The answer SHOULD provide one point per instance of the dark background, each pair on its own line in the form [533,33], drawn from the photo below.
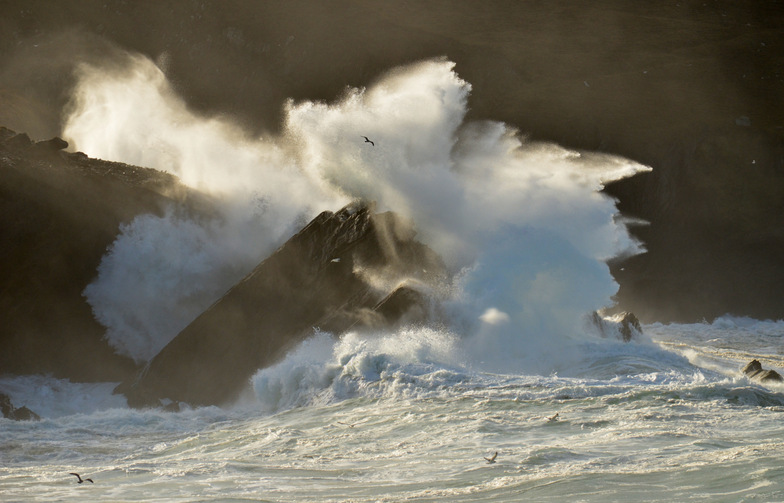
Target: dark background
[694,89]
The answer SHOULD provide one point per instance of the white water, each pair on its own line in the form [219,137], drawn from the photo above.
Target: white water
[359,420]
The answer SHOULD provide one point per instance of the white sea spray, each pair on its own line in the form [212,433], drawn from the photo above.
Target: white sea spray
[521,223]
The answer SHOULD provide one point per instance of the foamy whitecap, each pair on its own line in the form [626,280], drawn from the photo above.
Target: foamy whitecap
[325,368]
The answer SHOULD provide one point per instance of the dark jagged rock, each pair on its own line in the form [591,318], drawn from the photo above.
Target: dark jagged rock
[405,304]
[55,144]
[630,326]
[17,414]
[623,325]
[769,375]
[754,370]
[320,279]
[25,414]
[58,213]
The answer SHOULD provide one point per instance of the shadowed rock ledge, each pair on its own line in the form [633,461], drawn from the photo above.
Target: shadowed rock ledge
[59,211]
[326,277]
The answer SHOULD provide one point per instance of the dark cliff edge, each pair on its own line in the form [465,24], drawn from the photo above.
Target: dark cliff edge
[326,277]
[59,211]
[714,202]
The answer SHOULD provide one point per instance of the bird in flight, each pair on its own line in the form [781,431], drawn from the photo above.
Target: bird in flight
[368,140]
[80,478]
[350,425]
[553,418]
[491,459]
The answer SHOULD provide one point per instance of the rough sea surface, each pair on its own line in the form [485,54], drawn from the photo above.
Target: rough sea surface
[666,419]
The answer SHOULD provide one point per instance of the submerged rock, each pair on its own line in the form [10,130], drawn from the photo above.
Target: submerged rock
[341,271]
[754,370]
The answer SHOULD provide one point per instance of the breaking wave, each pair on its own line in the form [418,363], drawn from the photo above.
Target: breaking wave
[522,225]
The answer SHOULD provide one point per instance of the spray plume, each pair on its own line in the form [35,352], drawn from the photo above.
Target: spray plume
[522,224]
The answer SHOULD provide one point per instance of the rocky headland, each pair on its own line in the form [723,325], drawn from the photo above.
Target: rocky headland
[59,211]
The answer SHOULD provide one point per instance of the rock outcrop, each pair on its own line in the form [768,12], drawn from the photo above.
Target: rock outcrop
[624,325]
[17,414]
[754,370]
[343,270]
[59,211]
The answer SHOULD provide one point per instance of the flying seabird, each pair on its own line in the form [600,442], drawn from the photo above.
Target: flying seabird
[350,425]
[491,459]
[367,140]
[553,418]
[80,478]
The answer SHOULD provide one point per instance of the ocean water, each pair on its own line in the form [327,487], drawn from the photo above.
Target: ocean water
[409,415]
[666,418]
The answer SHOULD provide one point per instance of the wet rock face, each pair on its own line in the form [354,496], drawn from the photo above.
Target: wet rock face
[630,326]
[325,277]
[754,370]
[624,325]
